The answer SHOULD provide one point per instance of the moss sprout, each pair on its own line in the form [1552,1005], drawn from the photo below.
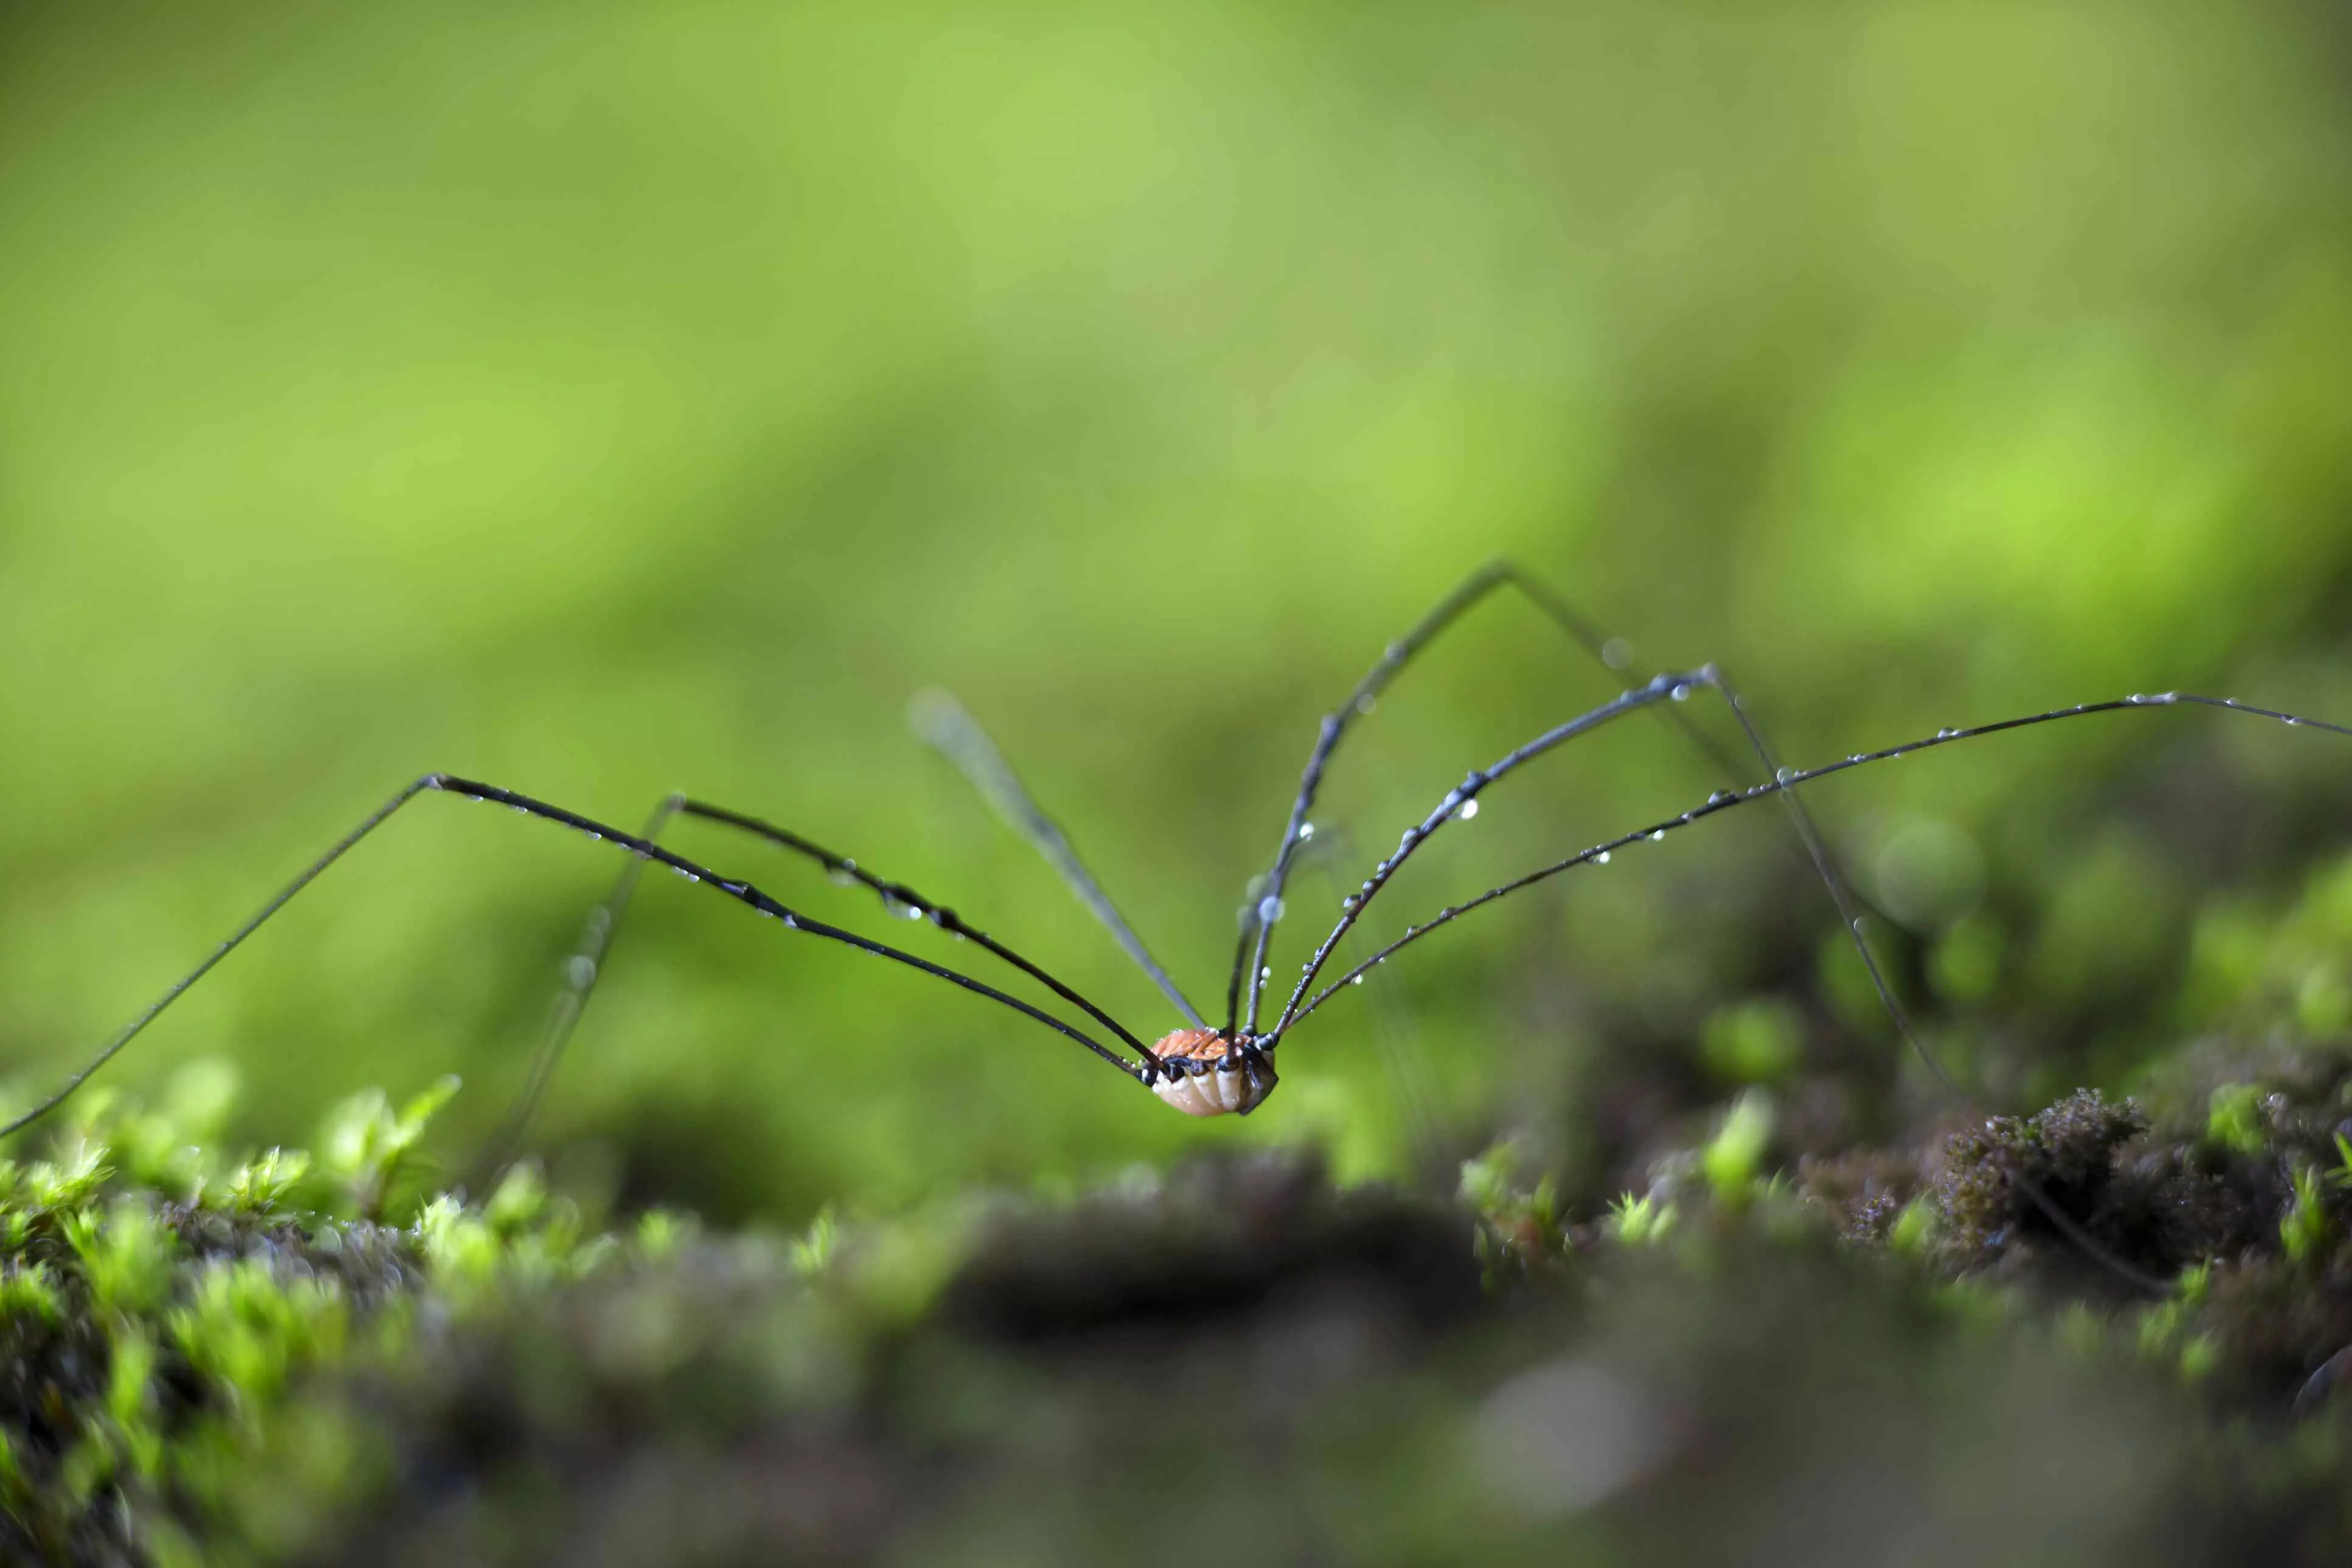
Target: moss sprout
[1733,1158]
[1640,1221]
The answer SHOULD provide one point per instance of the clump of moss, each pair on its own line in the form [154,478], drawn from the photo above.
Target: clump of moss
[159,1306]
[317,1357]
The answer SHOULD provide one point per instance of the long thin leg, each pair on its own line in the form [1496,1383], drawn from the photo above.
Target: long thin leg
[1660,689]
[942,722]
[1395,1033]
[131,1030]
[1249,958]
[905,901]
[742,892]
[586,966]
[1784,782]
[581,973]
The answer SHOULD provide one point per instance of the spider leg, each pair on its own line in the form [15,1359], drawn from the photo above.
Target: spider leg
[1249,956]
[586,966]
[1396,1035]
[942,722]
[644,849]
[1664,687]
[904,900]
[581,973]
[1786,780]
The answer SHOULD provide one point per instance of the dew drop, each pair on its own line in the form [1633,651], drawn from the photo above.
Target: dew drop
[1658,833]
[1601,858]
[1367,702]
[1269,909]
[1786,775]
[1616,653]
[1469,809]
[1946,735]
[581,971]
[1306,830]
[1682,692]
[1355,980]
[1266,973]
[1349,903]
[685,873]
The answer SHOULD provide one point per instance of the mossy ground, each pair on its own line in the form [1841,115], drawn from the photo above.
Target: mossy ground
[1774,1355]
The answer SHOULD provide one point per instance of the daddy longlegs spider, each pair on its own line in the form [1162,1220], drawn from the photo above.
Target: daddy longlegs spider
[1201,1069]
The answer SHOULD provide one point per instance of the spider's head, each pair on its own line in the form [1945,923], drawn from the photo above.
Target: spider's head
[1202,1073]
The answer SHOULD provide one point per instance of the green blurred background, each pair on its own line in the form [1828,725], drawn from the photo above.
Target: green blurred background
[607,399]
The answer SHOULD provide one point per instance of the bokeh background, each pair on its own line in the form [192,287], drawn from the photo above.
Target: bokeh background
[605,399]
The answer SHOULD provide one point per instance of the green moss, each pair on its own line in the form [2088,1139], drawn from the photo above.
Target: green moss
[1733,1158]
[159,1309]
[2234,1121]
[290,1358]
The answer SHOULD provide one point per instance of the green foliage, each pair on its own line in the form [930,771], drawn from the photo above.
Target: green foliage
[812,1253]
[661,1232]
[1640,1221]
[250,1331]
[1733,1156]
[2235,1119]
[366,1145]
[263,1183]
[1519,1228]
[1913,1231]
[162,1326]
[127,1256]
[2303,1229]
[242,1373]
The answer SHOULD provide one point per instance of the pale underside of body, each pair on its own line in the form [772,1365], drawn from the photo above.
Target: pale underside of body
[1201,1073]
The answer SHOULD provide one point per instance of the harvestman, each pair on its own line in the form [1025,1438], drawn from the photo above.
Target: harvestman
[1201,1069]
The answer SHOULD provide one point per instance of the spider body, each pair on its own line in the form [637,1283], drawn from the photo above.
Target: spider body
[1202,1073]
